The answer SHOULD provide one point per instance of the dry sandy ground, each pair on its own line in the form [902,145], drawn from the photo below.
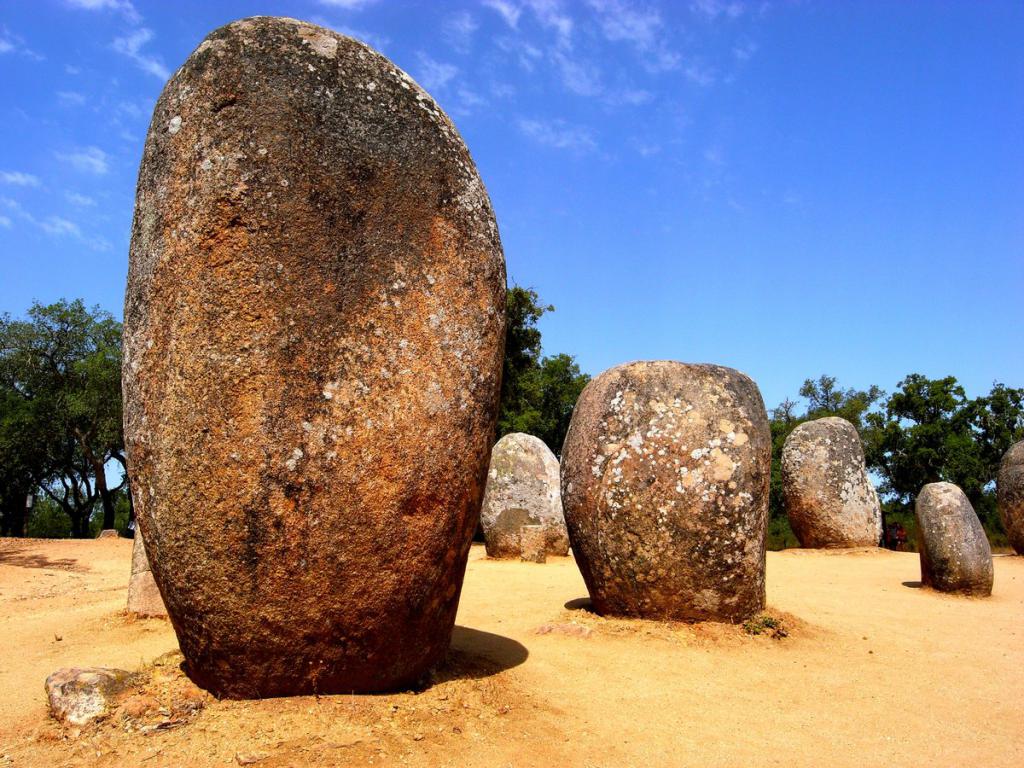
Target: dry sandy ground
[875,671]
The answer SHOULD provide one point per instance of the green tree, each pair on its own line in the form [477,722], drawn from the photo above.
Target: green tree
[825,398]
[537,394]
[60,375]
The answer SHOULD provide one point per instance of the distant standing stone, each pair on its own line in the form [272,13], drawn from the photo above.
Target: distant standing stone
[955,553]
[80,696]
[533,544]
[522,489]
[829,498]
[1010,495]
[665,474]
[108,533]
[143,595]
[314,323]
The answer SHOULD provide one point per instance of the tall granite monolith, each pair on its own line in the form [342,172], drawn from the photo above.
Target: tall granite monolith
[828,496]
[522,490]
[314,325]
[954,551]
[1010,495]
[665,474]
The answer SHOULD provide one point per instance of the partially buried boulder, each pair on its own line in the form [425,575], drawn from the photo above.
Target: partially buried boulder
[313,335]
[955,553]
[522,490]
[79,696]
[143,595]
[828,496]
[1010,495]
[665,474]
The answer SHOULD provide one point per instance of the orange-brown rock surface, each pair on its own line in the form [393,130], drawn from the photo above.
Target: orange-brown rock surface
[665,473]
[313,340]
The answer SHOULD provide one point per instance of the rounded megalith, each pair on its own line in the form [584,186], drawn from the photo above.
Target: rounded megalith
[314,325]
[522,490]
[829,499]
[1010,495]
[665,473]
[143,595]
[955,554]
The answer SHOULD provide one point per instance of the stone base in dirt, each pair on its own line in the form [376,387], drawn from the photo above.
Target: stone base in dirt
[108,533]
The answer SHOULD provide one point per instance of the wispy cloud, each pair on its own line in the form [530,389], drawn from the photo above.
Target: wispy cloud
[5,222]
[80,200]
[349,5]
[54,226]
[123,6]
[18,179]
[712,9]
[86,159]
[131,46]
[459,29]
[744,50]
[641,28]
[579,76]
[11,43]
[509,12]
[434,75]
[70,98]
[370,38]
[700,75]
[558,134]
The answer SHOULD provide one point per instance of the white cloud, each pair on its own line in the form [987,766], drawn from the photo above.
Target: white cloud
[72,70]
[712,9]
[86,159]
[70,98]
[348,5]
[55,225]
[131,46]
[123,6]
[370,38]
[643,29]
[527,55]
[5,222]
[11,43]
[580,77]
[459,30]
[434,75]
[18,179]
[82,201]
[549,14]
[701,75]
[507,10]
[6,46]
[745,50]
[558,134]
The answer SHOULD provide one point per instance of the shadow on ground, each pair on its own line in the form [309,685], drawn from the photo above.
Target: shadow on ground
[474,654]
[17,557]
[912,584]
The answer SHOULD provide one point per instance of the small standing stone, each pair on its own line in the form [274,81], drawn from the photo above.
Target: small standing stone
[108,533]
[829,498]
[522,490]
[665,474]
[1010,495]
[533,544]
[78,696]
[955,553]
[143,595]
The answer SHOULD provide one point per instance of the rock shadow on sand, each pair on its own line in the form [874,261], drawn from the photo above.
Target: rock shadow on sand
[476,654]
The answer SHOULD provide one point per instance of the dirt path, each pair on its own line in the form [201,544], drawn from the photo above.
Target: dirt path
[875,671]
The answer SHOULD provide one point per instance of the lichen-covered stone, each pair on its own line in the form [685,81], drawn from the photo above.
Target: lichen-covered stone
[522,489]
[665,473]
[314,324]
[143,594]
[79,696]
[829,498]
[1010,495]
[533,544]
[955,553]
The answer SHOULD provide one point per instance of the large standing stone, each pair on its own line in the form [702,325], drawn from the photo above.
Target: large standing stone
[1010,495]
[143,595]
[955,554]
[314,325]
[665,474]
[829,499]
[522,490]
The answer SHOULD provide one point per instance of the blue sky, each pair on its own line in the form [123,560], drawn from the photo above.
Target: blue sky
[788,188]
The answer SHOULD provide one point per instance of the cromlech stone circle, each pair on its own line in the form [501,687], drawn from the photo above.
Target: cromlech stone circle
[665,473]
[955,553]
[829,498]
[314,326]
[522,490]
[1010,495]
[143,594]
